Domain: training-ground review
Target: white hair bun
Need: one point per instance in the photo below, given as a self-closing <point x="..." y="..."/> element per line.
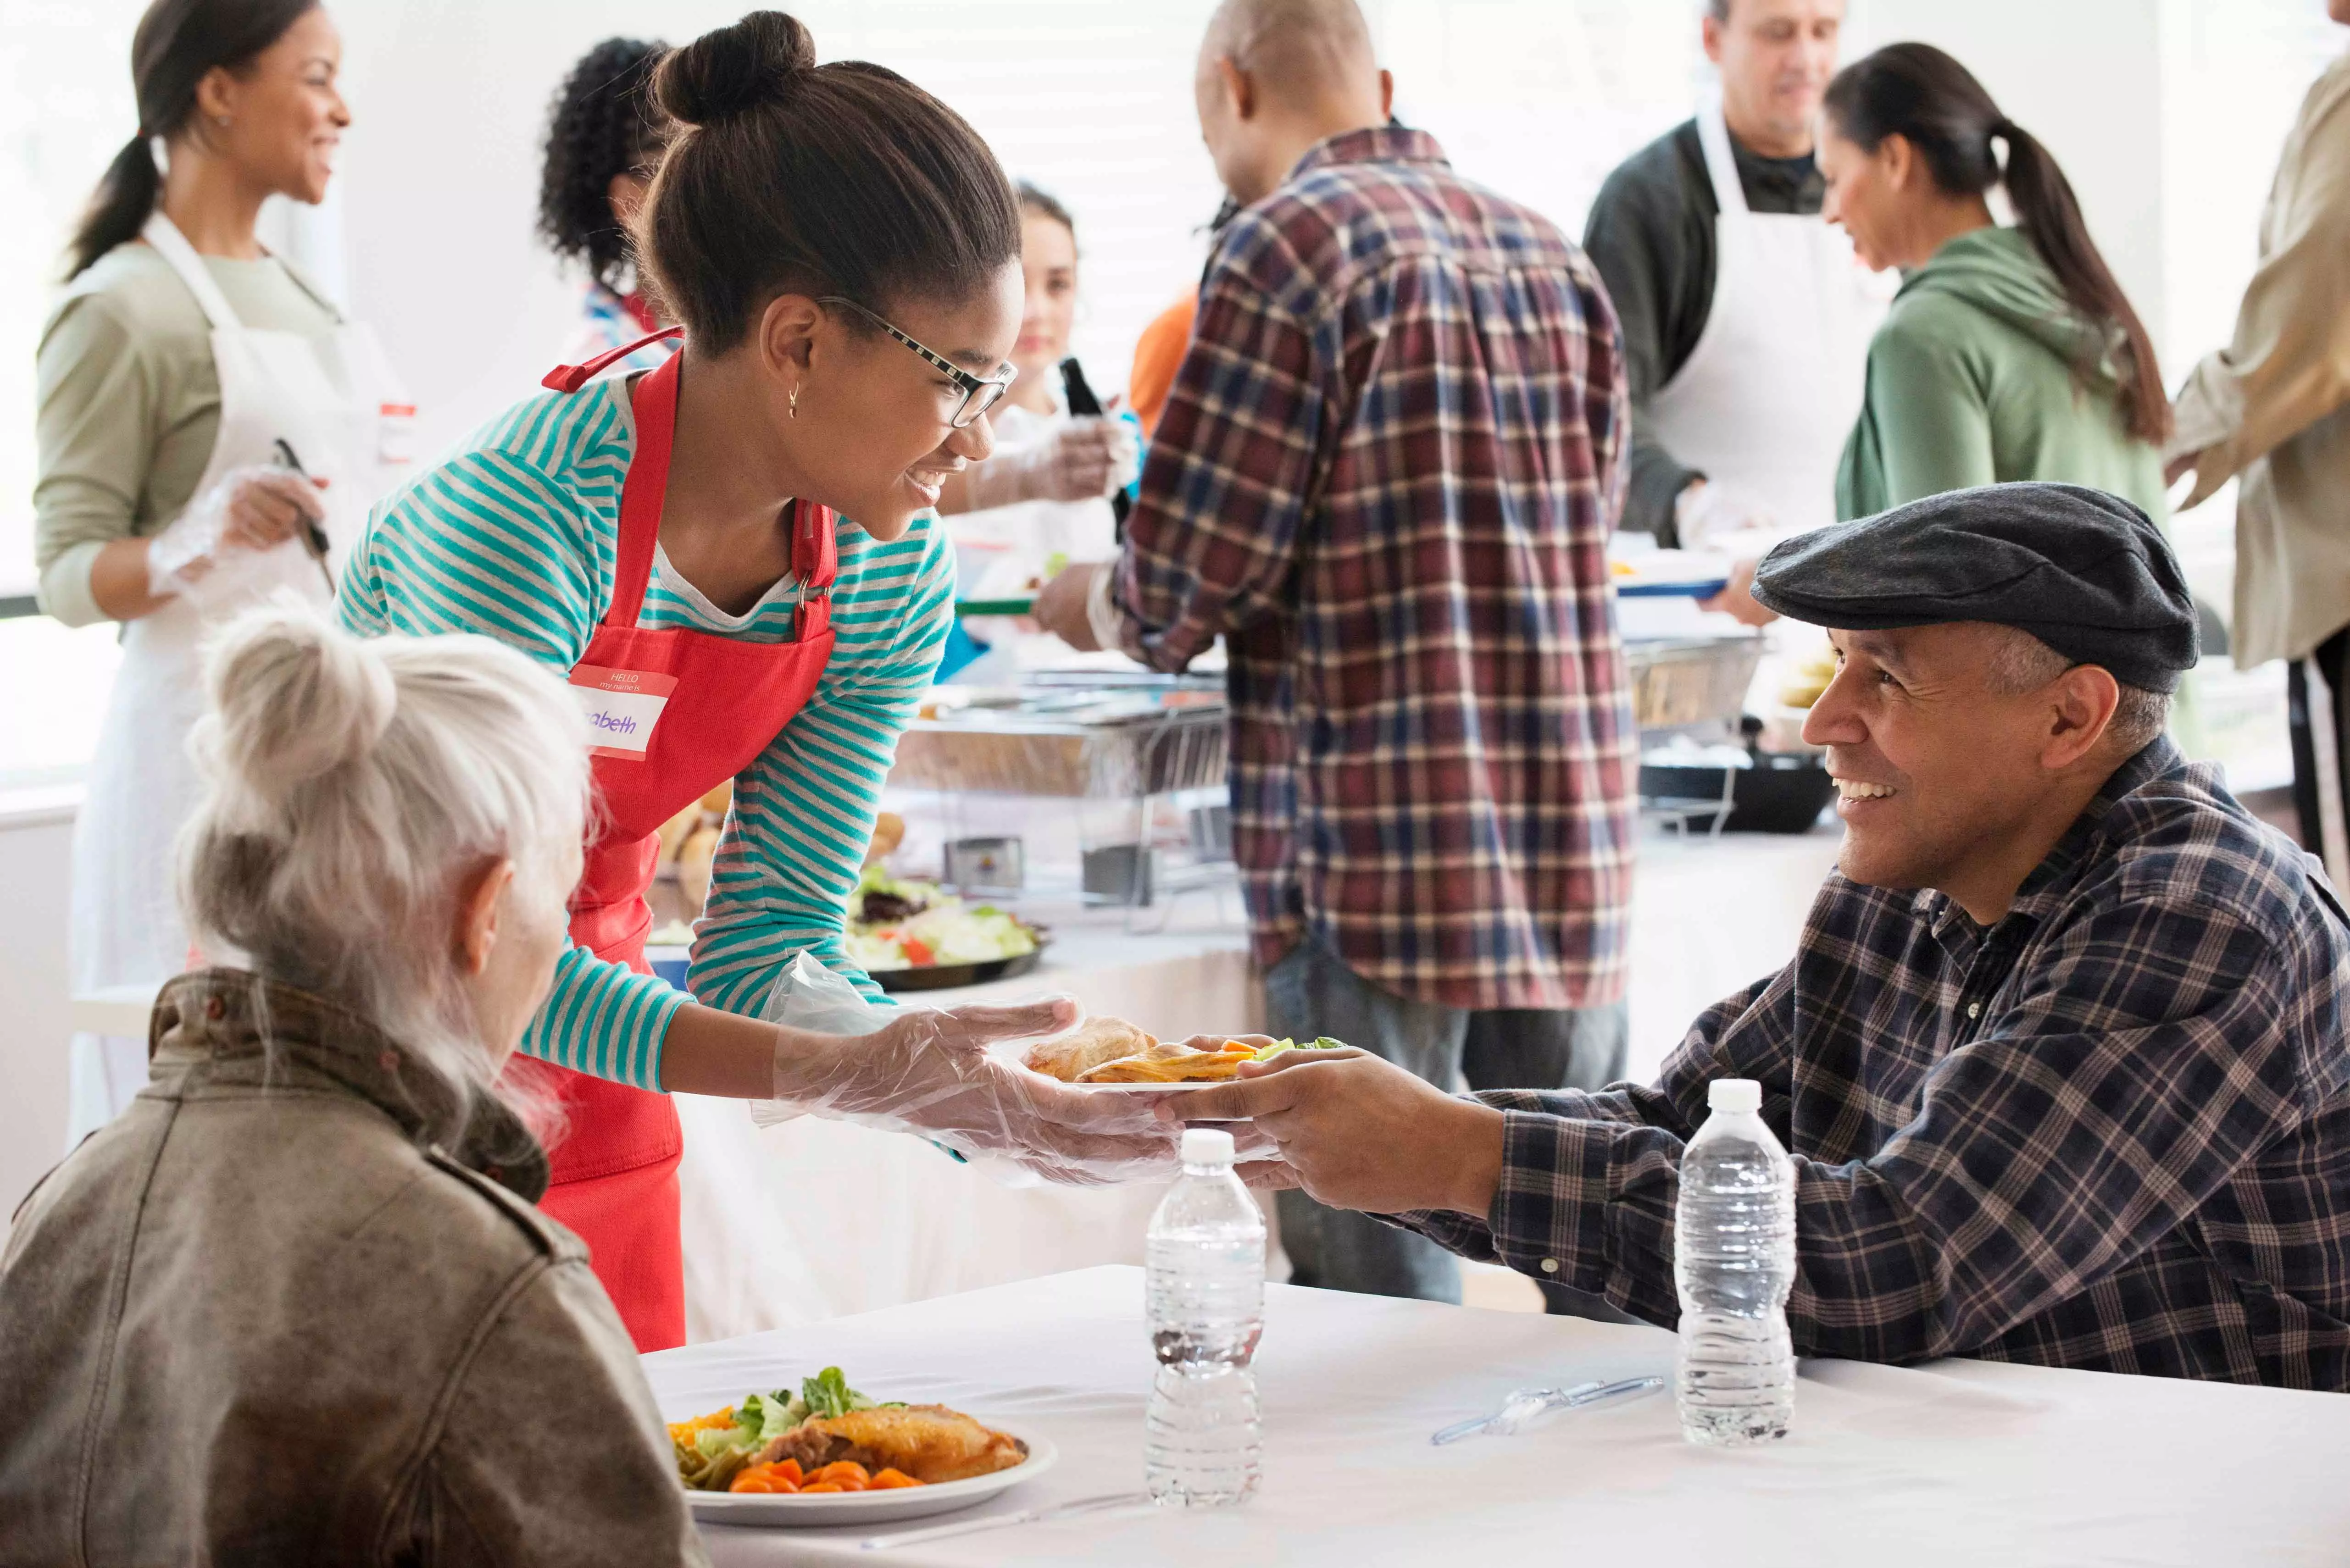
<point x="292" y="699"/>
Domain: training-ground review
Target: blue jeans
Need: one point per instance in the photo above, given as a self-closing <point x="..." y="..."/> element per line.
<point x="1312" y="992"/>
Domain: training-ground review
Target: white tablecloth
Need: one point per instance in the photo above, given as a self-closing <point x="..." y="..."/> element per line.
<point x="1961" y="1463"/>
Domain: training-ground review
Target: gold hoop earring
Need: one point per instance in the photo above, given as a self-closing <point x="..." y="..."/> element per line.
<point x="796" y="403"/>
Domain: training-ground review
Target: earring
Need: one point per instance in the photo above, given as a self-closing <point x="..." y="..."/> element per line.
<point x="796" y="403"/>
<point x="221" y="119"/>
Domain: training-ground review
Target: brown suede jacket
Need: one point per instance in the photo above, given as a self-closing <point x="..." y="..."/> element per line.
<point x="261" y="1319"/>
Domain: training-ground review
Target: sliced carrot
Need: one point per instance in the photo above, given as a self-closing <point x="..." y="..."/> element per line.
<point x="822" y="1486"/>
<point x="888" y="1478"/>
<point x="784" y="1477"/>
<point x="844" y="1470"/>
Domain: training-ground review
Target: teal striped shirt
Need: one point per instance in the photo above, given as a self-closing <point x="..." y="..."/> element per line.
<point x="514" y="537"/>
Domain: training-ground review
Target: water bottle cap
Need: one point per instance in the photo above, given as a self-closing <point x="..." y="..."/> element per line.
<point x="1734" y="1096"/>
<point x="1207" y="1145"/>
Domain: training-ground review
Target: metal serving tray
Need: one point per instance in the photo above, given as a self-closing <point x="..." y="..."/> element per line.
<point x="1681" y="681"/>
<point x="1100" y="744"/>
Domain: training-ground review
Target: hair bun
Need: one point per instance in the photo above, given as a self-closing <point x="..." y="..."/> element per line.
<point x="295" y="699"/>
<point x="735" y="69"/>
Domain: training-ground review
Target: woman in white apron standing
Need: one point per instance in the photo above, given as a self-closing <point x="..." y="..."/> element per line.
<point x="211" y="431"/>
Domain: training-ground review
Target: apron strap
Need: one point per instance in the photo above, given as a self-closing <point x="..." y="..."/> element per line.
<point x="816" y="561"/>
<point x="654" y="398"/>
<point x="815" y="551"/>
<point x="571" y="377"/>
<point x="1721" y="162"/>
<point x="167" y="241"/>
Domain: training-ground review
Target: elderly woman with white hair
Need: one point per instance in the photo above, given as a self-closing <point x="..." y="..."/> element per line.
<point x="297" y="1302"/>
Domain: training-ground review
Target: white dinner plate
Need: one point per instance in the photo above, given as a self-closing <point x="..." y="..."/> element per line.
<point x="791" y="1510"/>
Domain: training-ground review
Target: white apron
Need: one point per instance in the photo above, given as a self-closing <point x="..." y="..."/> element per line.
<point x="1774" y="385"/>
<point x="335" y="402"/>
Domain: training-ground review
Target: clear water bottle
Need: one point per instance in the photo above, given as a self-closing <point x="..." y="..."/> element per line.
<point x="1202" y="1443"/>
<point x="1733" y="1263"/>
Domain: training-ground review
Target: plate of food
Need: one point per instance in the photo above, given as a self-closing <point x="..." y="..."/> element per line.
<point x="914" y="936"/>
<point x="1115" y="1057"/>
<point x="828" y="1454"/>
<point x="1670" y="574"/>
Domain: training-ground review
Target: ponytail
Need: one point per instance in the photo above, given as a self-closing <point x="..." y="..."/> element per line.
<point x="2050" y="216"/>
<point x="119" y="207"/>
<point x="1919" y="93"/>
<point x="178" y="44"/>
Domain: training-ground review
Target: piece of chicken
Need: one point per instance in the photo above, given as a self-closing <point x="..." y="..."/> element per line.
<point x="1097" y="1041"/>
<point x="928" y="1442"/>
<point x="1172" y="1062"/>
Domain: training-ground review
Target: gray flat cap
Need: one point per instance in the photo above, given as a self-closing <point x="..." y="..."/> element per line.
<point x="2086" y="573"/>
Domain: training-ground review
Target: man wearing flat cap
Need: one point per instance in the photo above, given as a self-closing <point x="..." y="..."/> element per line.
<point x="2060" y="1058"/>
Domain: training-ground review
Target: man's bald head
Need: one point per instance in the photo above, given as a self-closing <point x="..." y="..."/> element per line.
<point x="1276" y="77"/>
<point x="1300" y="50"/>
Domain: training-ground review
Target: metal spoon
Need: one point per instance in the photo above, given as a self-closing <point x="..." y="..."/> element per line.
<point x="1525" y="1403"/>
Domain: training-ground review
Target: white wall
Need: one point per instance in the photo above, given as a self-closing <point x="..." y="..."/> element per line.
<point x="36" y="846"/>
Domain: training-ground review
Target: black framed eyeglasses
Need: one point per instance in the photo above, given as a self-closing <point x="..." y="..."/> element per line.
<point x="980" y="393"/>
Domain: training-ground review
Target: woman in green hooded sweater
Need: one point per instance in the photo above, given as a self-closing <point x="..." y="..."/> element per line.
<point x="2009" y="354"/>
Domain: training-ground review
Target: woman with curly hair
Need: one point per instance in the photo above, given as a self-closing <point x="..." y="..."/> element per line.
<point x="603" y="141"/>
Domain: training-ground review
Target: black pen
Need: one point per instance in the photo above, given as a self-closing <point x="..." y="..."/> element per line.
<point x="314" y="538"/>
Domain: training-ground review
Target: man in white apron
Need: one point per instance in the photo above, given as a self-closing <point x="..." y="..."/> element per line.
<point x="329" y="407"/>
<point x="1746" y="319"/>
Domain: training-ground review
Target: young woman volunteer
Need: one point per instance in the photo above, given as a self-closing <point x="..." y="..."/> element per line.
<point x="843" y="253"/>
<point x="203" y="411"/>
<point x="2010" y="353"/>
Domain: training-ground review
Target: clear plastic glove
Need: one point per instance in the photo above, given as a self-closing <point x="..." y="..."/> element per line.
<point x="248" y="511"/>
<point x="1708" y="511"/>
<point x="931" y="1073"/>
<point x="1080" y="461"/>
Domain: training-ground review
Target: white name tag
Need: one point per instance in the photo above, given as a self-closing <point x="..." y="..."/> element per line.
<point x="622" y="707"/>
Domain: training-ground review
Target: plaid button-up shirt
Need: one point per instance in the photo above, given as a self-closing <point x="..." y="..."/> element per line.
<point x="2111" y="1131"/>
<point x="1386" y="473"/>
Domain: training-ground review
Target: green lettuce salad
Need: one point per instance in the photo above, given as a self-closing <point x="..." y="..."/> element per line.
<point x="708" y="1455"/>
<point x="1321" y="1043"/>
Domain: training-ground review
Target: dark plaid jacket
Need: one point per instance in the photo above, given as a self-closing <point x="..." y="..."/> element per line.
<point x="1386" y="473"/>
<point x="2111" y="1131"/>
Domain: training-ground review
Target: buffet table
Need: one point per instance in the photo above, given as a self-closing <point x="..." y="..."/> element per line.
<point x="1961" y="1462"/>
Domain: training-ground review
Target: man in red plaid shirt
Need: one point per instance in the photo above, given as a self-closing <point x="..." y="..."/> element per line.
<point x="1386" y="476"/>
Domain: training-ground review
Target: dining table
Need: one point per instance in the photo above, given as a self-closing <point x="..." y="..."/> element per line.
<point x="1954" y="1461"/>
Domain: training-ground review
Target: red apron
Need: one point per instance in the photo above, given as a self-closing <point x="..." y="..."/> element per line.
<point x="615" y="1173"/>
